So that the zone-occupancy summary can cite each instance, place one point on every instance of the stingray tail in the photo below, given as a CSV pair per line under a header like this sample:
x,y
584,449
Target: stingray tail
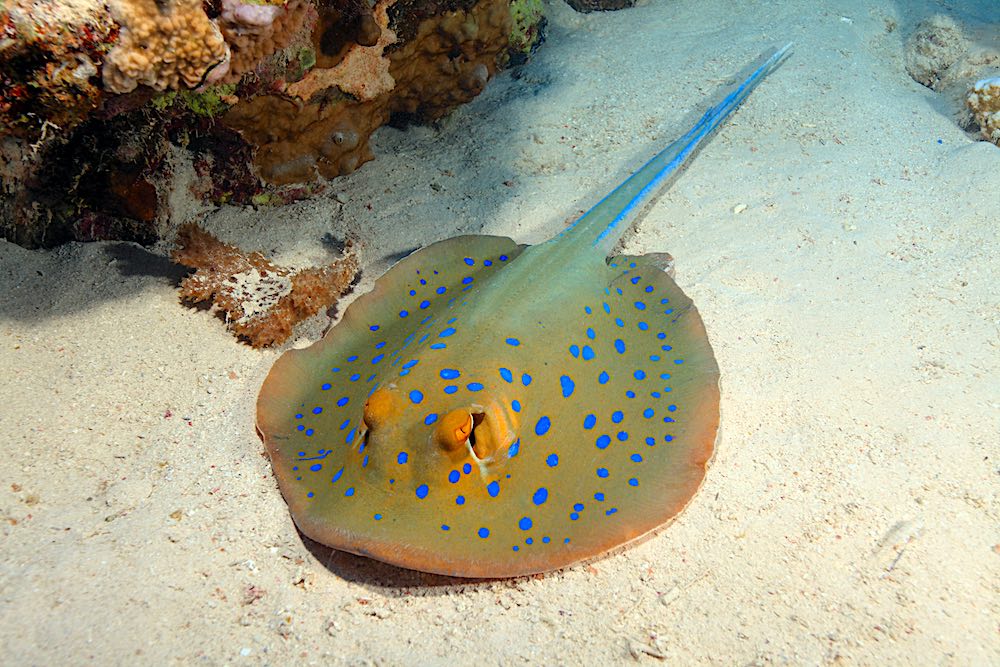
x,y
606,221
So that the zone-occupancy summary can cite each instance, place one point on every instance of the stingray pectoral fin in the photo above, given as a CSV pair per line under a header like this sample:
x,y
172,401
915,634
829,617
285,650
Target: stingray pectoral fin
x,y
662,260
670,380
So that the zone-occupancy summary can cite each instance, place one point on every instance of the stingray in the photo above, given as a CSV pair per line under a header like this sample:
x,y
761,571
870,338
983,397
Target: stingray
x,y
491,409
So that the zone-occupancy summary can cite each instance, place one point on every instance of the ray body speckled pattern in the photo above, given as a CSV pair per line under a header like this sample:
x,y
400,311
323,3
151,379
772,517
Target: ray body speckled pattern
x,y
490,409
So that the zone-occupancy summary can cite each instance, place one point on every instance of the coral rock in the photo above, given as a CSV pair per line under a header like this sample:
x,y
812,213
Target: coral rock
x,y
261,301
984,102
446,61
49,54
938,44
449,59
949,57
350,60
303,84
164,44
256,32
296,142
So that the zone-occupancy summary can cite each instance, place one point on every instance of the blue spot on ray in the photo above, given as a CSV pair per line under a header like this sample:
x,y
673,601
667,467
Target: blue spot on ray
x,y
567,386
514,449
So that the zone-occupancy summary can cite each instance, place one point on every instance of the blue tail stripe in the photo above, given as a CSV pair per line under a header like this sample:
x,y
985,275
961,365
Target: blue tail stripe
x,y
708,123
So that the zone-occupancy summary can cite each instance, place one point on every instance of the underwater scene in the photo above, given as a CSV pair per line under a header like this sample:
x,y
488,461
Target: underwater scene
x,y
510,331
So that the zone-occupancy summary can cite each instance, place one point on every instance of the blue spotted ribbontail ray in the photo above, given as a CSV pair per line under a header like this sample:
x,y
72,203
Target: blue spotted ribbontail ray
x,y
492,409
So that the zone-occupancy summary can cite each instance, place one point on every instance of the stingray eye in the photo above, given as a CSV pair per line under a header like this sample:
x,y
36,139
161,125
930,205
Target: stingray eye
x,y
378,407
454,429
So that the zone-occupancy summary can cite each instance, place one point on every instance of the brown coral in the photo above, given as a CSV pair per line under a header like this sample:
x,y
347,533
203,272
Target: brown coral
x,y
164,44
261,301
449,59
299,141
446,61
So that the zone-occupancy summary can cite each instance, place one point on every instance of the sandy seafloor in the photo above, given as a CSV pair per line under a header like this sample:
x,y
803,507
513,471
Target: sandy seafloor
x,y
851,514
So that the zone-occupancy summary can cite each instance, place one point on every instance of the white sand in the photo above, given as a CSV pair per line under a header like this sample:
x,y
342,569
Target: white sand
x,y
851,515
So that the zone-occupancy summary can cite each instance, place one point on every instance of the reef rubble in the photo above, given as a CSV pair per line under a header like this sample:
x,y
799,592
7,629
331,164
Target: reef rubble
x,y
101,102
959,58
